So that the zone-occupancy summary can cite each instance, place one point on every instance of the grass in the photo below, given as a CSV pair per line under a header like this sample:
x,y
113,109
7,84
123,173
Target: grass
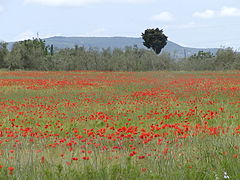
x,y
119,125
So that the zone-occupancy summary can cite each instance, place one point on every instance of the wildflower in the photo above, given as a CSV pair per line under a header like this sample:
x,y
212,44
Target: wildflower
x,y
62,155
10,170
42,159
85,158
235,156
165,151
74,158
225,153
68,163
133,153
225,176
141,157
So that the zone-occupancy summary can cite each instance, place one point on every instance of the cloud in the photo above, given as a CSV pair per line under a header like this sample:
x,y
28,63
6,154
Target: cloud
x,y
164,16
224,12
207,14
81,2
230,11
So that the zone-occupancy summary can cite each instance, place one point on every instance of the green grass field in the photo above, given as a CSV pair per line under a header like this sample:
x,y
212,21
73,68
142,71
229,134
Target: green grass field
x,y
119,125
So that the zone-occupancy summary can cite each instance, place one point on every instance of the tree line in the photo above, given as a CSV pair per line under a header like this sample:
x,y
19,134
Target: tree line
x,y
35,55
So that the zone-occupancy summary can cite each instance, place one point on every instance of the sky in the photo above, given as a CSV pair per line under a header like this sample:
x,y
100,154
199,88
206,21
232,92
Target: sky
x,y
192,23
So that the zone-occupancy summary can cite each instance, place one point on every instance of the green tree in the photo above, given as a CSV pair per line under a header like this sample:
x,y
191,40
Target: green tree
x,y
236,64
155,39
225,59
3,54
200,61
14,58
28,54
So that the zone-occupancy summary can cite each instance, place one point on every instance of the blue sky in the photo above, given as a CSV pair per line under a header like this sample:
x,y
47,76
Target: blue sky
x,y
193,23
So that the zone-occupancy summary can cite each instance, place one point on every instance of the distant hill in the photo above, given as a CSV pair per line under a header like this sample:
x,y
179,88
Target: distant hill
x,y
174,49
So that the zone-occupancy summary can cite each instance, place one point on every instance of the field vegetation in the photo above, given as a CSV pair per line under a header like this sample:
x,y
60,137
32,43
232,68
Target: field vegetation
x,y
119,125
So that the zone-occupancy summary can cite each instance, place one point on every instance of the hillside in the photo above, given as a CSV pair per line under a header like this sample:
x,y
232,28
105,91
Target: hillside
x,y
174,49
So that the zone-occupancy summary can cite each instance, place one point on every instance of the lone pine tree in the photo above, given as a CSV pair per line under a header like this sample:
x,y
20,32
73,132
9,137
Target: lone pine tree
x,y
155,39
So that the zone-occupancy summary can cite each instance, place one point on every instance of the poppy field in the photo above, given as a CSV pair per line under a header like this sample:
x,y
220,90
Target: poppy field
x,y
119,125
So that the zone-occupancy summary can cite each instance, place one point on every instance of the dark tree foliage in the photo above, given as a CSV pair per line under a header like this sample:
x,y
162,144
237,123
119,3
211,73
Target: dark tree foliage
x,y
51,50
155,39
202,55
3,54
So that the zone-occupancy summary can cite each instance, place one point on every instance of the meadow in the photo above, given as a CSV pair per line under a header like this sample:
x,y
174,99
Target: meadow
x,y
119,125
